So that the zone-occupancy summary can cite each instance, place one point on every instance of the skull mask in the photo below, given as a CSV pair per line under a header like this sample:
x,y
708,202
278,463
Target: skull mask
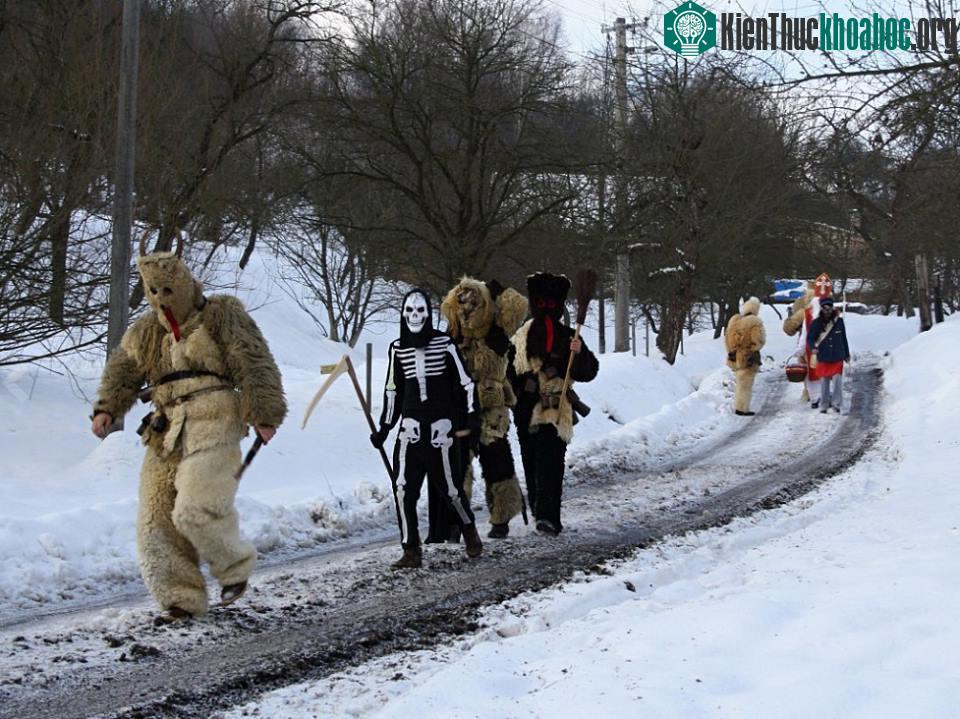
x,y
415,312
415,321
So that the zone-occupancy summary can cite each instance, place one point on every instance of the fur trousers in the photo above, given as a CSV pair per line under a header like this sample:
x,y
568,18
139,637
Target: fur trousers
x,y
186,516
743,391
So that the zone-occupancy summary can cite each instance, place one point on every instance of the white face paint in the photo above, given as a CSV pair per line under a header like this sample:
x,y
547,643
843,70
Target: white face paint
x,y
415,312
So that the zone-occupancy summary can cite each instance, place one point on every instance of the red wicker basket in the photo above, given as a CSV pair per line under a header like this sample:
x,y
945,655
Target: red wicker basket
x,y
796,368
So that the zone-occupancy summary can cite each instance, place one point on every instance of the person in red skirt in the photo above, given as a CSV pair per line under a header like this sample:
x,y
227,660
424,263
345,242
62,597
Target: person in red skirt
x,y
803,312
827,343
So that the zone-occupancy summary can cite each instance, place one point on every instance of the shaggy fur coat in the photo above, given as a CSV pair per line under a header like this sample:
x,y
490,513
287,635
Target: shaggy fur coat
x,y
744,339
584,369
481,322
187,484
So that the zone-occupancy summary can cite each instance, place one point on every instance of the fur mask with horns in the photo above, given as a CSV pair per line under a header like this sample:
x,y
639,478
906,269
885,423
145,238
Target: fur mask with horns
x,y
170,288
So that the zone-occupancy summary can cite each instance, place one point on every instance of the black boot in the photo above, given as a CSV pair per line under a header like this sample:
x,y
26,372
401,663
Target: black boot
x,y
498,531
547,528
472,540
412,559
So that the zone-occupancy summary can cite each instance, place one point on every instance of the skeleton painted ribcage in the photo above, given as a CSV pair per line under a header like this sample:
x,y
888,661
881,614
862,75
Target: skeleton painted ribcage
x,y
418,366
430,361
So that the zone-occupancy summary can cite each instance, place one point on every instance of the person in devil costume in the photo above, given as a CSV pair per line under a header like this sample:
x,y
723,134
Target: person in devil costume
x,y
429,392
540,354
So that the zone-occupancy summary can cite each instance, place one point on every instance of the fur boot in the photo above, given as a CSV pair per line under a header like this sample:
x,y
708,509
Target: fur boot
x,y
504,500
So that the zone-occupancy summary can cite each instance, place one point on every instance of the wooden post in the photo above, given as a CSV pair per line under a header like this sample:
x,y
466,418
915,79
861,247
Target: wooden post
x,y
369,374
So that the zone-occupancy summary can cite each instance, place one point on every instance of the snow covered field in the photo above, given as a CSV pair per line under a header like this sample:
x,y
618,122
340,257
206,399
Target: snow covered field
x,y
841,603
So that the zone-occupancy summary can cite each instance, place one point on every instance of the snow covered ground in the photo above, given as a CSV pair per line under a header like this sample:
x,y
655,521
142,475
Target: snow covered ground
x,y
842,603
849,590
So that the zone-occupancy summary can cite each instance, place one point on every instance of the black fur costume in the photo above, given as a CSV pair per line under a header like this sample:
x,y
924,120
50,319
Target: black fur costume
x,y
541,350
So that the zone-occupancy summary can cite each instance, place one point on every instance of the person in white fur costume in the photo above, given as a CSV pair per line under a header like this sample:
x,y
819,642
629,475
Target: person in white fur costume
x,y
211,375
744,339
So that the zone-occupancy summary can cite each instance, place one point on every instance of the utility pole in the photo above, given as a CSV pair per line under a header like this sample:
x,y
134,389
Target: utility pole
x,y
601,296
123,178
123,174
621,329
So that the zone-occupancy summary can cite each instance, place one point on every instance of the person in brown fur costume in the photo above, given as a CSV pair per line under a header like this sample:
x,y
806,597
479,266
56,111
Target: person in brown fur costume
x,y
744,339
482,317
211,374
539,357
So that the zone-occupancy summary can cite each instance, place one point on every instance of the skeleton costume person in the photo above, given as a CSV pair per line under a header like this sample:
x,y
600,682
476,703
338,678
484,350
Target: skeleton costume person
x,y
482,316
541,350
211,375
429,392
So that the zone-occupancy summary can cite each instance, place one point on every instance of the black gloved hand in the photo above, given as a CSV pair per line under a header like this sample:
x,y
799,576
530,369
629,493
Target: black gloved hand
x,y
474,423
379,437
497,340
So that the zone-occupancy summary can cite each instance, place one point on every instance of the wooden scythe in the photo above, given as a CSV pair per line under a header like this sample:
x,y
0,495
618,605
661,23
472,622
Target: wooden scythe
x,y
334,371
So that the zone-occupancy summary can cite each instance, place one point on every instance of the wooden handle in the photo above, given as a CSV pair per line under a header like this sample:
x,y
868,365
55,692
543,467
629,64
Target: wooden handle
x,y
366,413
566,377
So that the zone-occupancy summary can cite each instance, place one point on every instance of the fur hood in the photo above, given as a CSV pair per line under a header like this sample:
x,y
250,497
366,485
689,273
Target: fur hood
x,y
751,307
472,307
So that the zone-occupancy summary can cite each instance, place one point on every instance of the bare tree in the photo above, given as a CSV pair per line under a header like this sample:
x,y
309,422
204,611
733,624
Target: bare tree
x,y
442,107
715,180
325,270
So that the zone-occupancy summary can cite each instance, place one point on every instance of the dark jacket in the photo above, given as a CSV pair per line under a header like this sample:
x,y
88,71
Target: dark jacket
x,y
834,346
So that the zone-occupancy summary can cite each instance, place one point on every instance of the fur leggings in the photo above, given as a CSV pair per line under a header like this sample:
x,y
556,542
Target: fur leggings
x,y
186,516
743,391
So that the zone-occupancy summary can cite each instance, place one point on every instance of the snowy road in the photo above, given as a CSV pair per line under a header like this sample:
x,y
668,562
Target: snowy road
x,y
314,616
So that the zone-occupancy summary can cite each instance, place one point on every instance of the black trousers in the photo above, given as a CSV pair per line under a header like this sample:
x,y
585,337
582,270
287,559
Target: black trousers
x,y
544,454
496,465
427,449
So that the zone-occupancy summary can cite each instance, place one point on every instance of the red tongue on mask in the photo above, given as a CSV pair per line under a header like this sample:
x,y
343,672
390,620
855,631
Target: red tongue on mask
x,y
174,327
548,321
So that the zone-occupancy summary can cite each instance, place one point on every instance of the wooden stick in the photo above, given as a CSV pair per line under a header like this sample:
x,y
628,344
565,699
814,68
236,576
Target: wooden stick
x,y
566,377
366,412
